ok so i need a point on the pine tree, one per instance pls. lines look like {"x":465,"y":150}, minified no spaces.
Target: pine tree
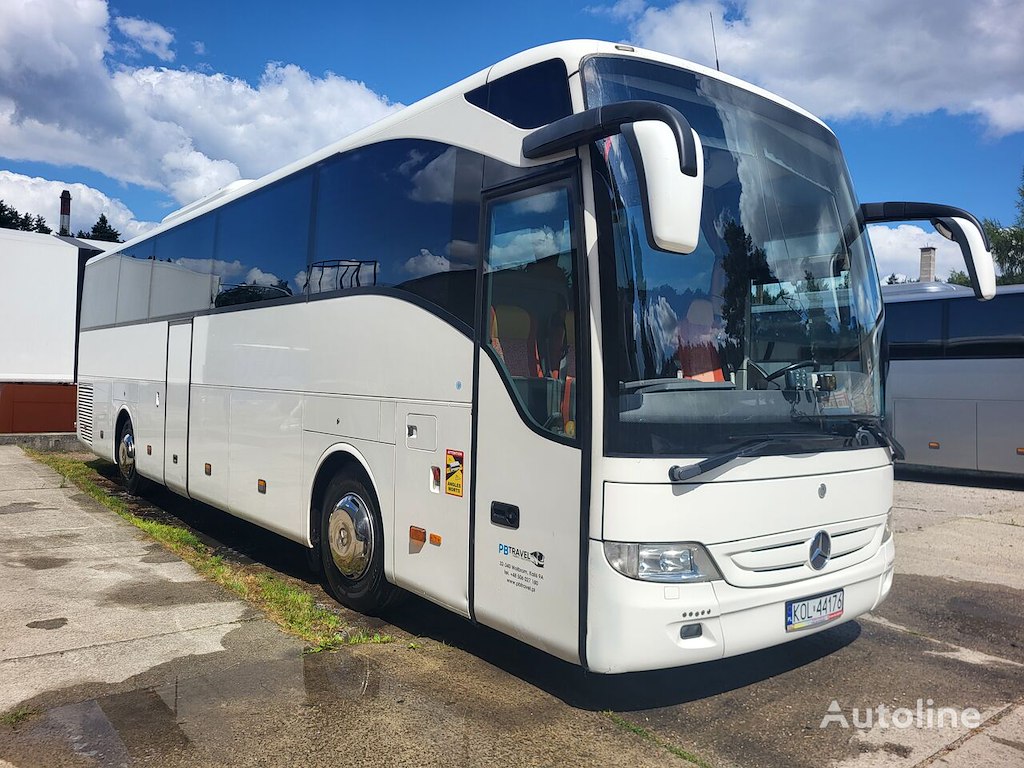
{"x":39,"y":225}
{"x":102,"y":230}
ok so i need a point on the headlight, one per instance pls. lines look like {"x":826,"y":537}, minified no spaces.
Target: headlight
{"x":683,"y":562}
{"x":887,"y":533}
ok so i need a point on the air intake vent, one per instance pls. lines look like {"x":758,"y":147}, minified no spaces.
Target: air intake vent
{"x":85,"y":413}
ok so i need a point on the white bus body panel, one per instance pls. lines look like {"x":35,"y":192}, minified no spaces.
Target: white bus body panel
{"x":127,"y":367}
{"x":533,"y":602}
{"x":176,"y":407}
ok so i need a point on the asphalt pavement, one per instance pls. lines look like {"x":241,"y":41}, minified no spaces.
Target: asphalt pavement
{"x":114,"y":652}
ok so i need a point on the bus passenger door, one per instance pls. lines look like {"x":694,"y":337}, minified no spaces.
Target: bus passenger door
{"x":526,"y":567}
{"x":179,"y":369}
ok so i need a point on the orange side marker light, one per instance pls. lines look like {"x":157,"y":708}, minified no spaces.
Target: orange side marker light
{"x":417,"y":534}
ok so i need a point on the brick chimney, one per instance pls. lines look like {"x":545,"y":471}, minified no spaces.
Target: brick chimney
{"x":65,"y":212}
{"x":928,"y":264}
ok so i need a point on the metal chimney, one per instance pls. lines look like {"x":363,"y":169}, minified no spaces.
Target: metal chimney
{"x":65,"y":212}
{"x":928,"y":264}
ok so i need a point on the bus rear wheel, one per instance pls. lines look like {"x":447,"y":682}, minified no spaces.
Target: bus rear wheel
{"x":352,"y":545}
{"x":125,"y":453}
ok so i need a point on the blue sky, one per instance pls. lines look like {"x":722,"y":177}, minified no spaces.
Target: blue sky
{"x":140,"y":107}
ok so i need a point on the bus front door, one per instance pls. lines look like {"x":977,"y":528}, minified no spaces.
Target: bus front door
{"x":526,"y":565}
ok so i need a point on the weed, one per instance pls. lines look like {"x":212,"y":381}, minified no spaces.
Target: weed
{"x":16,"y":716}
{"x":646,"y":735}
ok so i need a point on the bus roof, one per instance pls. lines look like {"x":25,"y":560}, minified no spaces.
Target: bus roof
{"x":459,"y":123}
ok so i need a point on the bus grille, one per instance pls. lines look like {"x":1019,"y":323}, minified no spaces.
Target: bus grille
{"x":85,"y":413}
{"x":783,"y":558}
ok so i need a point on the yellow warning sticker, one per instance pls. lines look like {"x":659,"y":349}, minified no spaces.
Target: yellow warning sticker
{"x":453,"y":472}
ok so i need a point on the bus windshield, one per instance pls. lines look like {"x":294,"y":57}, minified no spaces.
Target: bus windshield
{"x":772,"y":325}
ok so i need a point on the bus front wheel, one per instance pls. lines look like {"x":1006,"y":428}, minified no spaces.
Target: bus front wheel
{"x":352,"y":545}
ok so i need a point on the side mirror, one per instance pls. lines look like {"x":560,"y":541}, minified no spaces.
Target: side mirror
{"x":953,"y":224}
{"x":672,"y":198}
{"x":668,"y":156}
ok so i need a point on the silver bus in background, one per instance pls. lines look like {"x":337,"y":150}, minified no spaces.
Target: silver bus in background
{"x":955,"y":391}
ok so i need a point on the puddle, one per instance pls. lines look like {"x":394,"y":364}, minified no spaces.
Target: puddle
{"x":18,"y":507}
{"x":161,"y":594}
{"x":43,"y":562}
{"x":47,"y":623}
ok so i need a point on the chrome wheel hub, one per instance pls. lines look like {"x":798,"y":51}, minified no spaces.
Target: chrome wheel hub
{"x":350,"y":536}
{"x":126,"y":455}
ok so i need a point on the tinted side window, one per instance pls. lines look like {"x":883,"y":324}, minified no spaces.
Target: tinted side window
{"x":133,"y":288}
{"x":986,"y":329}
{"x":528,"y":98}
{"x":388,"y":216}
{"x":530,"y":303}
{"x":263,"y":243}
{"x":182,"y":272}
{"x":99,"y":292}
{"x":914,"y":329}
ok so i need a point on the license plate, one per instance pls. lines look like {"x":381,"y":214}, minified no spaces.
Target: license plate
{"x":812,"y":611}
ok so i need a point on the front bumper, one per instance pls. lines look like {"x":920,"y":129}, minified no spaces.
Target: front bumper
{"x":634,"y":626}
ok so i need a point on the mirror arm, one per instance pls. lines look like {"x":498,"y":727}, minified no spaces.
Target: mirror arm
{"x":581,"y":128}
{"x":879,"y":213}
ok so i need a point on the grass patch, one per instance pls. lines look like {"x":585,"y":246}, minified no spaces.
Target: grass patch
{"x":288,"y":605}
{"x":646,"y":735}
{"x":16,"y":716}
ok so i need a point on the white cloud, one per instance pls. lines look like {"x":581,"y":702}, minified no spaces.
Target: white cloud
{"x":198,"y":47}
{"x":147,"y":35}
{"x":426,"y":263}
{"x":66,"y":100}
{"x":42,"y":197}
{"x":874,"y":58}
{"x":898,"y":249}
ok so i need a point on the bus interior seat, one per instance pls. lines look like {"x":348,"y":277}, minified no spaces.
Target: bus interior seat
{"x":698,"y":355}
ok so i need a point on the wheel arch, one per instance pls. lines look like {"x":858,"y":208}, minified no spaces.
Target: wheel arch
{"x":332,"y":461}
{"x":124,"y":413}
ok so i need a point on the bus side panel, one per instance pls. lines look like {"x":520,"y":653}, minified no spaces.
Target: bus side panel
{"x":939,"y":433}
{"x":433,"y":438}
{"x":245,"y":426}
{"x":127,"y":366}
{"x":1001,"y":436}
{"x":265,"y":457}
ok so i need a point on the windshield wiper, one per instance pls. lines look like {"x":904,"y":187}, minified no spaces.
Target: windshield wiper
{"x":875,"y":426}
{"x":679,"y":473}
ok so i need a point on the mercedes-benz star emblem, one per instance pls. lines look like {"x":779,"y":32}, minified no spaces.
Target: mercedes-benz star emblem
{"x":821,"y":550}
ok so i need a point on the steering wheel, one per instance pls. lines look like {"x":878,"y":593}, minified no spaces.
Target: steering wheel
{"x":793,"y":367}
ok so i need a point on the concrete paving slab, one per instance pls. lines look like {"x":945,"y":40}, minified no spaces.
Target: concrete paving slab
{"x":83,"y":598}
{"x":965,"y":549}
{"x":998,"y":746}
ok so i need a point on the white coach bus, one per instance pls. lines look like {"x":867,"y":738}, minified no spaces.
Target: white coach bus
{"x":584,"y":348}
{"x":955,"y":389}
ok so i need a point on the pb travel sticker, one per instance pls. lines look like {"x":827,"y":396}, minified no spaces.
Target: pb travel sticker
{"x":454,"y":461}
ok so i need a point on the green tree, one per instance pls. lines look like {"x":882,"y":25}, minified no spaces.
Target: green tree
{"x":959,"y":277}
{"x":892,"y":279}
{"x":11,"y":218}
{"x":102,"y":230}
{"x":1008,"y":243}
{"x":39,"y":225}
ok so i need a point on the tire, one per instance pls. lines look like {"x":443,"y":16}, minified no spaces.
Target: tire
{"x":352,"y":553}
{"x":124,"y":452}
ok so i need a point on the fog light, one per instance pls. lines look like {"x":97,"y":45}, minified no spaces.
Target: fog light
{"x":691,"y":631}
